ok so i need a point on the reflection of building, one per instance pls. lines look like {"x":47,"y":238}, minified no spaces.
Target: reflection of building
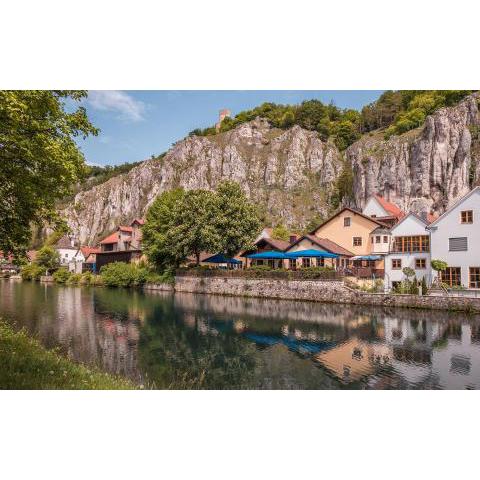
{"x":352,"y":360}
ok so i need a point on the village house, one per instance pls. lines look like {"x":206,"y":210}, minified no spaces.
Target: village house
{"x":313,"y":251}
{"x":66,"y":247}
{"x":79,"y":264}
{"x":123,"y":245}
{"x":268,"y":251}
{"x":352,"y":230}
{"x":410,"y":247}
{"x":382,"y":210}
{"x":455,"y":239}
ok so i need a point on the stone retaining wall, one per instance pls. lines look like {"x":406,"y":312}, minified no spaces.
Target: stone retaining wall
{"x":318,"y":291}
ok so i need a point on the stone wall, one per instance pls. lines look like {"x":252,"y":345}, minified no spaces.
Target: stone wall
{"x":317,"y":291}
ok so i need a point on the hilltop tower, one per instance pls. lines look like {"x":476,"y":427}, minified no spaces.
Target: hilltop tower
{"x":224,"y":113}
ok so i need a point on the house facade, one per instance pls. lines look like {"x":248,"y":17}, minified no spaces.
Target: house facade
{"x":383,"y":210}
{"x":455,"y":239}
{"x":67,"y":248}
{"x":409,"y":247}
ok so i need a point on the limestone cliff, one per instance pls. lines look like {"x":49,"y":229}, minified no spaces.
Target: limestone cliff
{"x":424,"y":169}
{"x":290,"y":174}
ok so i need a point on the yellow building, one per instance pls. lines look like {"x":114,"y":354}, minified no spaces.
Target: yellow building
{"x":349,"y":229}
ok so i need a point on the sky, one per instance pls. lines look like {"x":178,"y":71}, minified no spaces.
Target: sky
{"x":138,"y":124}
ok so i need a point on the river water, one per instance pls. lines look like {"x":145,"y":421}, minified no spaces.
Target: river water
{"x":164,"y":340}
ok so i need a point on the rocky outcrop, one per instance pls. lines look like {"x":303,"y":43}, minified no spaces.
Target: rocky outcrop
{"x":289,"y":174}
{"x":424,"y":169}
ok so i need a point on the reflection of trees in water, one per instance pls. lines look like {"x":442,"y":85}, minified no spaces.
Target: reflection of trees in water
{"x":179,"y":354}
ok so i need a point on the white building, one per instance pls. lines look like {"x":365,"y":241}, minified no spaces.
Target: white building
{"x":455,"y":239}
{"x":66,"y":248}
{"x":383,"y":210}
{"x":409,"y":247}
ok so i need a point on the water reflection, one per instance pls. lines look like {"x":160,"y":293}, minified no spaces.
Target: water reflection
{"x":200,"y":341}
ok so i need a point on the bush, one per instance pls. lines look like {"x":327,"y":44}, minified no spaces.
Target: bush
{"x":74,"y":279}
{"x":86,"y":278}
{"x":121,"y":274}
{"x":165,"y":277}
{"x":32,"y":271}
{"x":62,"y":275}
{"x":424,"y":286}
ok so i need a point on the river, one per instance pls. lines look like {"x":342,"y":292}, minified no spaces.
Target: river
{"x":165,"y":340}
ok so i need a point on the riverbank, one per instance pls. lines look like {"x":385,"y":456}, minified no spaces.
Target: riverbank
{"x":318,"y":291}
{"x":27,"y":365}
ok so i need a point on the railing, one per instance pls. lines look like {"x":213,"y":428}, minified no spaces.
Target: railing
{"x":366,"y":272}
{"x":278,"y":274}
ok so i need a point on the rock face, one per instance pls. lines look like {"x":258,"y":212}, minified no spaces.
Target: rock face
{"x":289,"y":174}
{"x":425,"y":169}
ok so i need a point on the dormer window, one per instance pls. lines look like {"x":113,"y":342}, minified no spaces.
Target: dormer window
{"x":346,"y":221}
{"x":466,"y":216}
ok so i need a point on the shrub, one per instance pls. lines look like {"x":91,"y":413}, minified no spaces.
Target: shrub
{"x":48,"y":257}
{"x":61,"y":275}
{"x":74,"y":279}
{"x":32,"y":271}
{"x":121,"y":274}
{"x":438,"y":265}
{"x":424,"y":286}
{"x":86,"y":278}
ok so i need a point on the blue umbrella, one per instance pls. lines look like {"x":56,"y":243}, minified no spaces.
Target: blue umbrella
{"x":270,"y":255}
{"x":311,"y":253}
{"x":220,"y":258}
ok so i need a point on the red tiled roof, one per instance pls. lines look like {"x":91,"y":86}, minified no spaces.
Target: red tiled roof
{"x":86,"y":251}
{"x":390,"y":207}
{"x":140,"y":221}
{"x":431,"y":217}
{"x":112,"y":238}
{"x":278,"y":244}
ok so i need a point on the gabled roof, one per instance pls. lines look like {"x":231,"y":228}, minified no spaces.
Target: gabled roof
{"x":326,"y":244}
{"x":273,"y":242}
{"x":411,"y":214}
{"x":455,"y":205}
{"x":140,"y":221}
{"x":86,"y":251}
{"x":112,"y":238}
{"x":355,"y":212}
{"x":123,"y":228}
{"x":66,"y":243}
{"x":389,"y":207}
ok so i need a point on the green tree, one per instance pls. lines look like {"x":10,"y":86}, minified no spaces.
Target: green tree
{"x":39,"y":159}
{"x":160,"y":221}
{"x":48,"y":258}
{"x":237,"y":221}
{"x":280,"y":232}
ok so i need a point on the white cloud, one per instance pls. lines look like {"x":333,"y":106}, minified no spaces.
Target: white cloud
{"x":117,"y":101}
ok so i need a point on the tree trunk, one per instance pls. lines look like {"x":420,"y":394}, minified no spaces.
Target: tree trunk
{"x":197,"y":255}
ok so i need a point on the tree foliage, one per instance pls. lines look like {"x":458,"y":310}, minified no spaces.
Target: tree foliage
{"x":39,"y":159}
{"x":281,"y":232}
{"x":48,"y":258}
{"x":186,"y":223}
{"x":439,"y":265}
{"x":395,"y":112}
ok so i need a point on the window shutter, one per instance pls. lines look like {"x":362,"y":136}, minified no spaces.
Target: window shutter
{"x":459,"y":244}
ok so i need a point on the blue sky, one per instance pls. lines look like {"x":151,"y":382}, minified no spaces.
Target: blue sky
{"x":136,"y":124}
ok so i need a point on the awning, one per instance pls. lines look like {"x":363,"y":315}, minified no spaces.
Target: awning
{"x":311,"y":253}
{"x":367,"y":257}
{"x":220,"y":258}
{"x":270,"y":255}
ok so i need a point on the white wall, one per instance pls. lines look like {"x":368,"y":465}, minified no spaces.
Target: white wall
{"x":410,"y":225}
{"x":449,"y":226}
{"x":373,"y":207}
{"x":66,"y":254}
{"x":382,"y":247}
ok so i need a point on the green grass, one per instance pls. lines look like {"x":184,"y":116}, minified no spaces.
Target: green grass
{"x":26,"y":365}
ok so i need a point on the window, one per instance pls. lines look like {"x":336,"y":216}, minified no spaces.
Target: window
{"x":346,"y":221}
{"x":385,"y":239}
{"x":378,"y":238}
{"x":417,"y":243}
{"x":466,"y":216}
{"x":474,"y":277}
{"x":357,"y":241}
{"x":420,"y":263}
{"x":292,"y":263}
{"x":396,"y":263}
{"x":451,"y":276}
{"x":307,"y":262}
{"x":458,"y":244}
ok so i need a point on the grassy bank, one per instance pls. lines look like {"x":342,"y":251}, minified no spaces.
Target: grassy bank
{"x":26,"y":364}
